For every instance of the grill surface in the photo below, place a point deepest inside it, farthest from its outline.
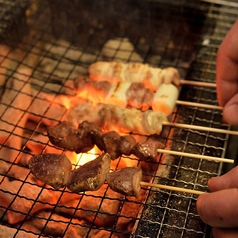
(57, 40)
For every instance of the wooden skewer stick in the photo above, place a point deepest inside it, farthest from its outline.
(199, 128)
(197, 83)
(172, 188)
(200, 105)
(196, 156)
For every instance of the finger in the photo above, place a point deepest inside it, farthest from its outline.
(230, 111)
(225, 232)
(219, 209)
(228, 180)
(227, 66)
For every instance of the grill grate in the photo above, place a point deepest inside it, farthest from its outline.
(52, 41)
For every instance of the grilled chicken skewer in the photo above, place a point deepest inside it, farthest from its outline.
(110, 142)
(132, 94)
(114, 144)
(123, 94)
(125, 120)
(91, 176)
(122, 120)
(137, 72)
(133, 72)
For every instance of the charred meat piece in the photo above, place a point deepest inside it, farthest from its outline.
(88, 134)
(148, 149)
(66, 136)
(125, 181)
(93, 131)
(110, 144)
(90, 176)
(127, 143)
(52, 169)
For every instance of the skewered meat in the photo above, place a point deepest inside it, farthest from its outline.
(119, 94)
(90, 176)
(52, 169)
(148, 149)
(133, 94)
(127, 144)
(139, 96)
(67, 136)
(110, 142)
(95, 91)
(133, 72)
(125, 181)
(93, 131)
(122, 120)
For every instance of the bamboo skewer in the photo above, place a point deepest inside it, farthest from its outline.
(200, 105)
(172, 188)
(197, 156)
(199, 128)
(197, 83)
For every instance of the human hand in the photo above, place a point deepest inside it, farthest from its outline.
(227, 76)
(219, 208)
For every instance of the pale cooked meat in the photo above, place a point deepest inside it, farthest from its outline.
(122, 120)
(90, 176)
(148, 149)
(119, 96)
(152, 122)
(127, 144)
(133, 72)
(131, 94)
(125, 181)
(66, 136)
(52, 169)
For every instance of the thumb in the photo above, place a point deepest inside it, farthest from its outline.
(226, 181)
(230, 111)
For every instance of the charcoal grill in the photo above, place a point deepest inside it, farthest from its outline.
(52, 41)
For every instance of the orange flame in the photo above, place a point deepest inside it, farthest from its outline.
(83, 158)
(66, 102)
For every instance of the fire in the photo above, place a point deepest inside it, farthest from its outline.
(83, 158)
(66, 102)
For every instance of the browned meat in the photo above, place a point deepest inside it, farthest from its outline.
(86, 83)
(125, 181)
(90, 176)
(139, 96)
(52, 169)
(66, 136)
(89, 134)
(127, 144)
(148, 149)
(93, 131)
(111, 143)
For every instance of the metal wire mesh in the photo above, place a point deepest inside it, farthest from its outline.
(52, 41)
